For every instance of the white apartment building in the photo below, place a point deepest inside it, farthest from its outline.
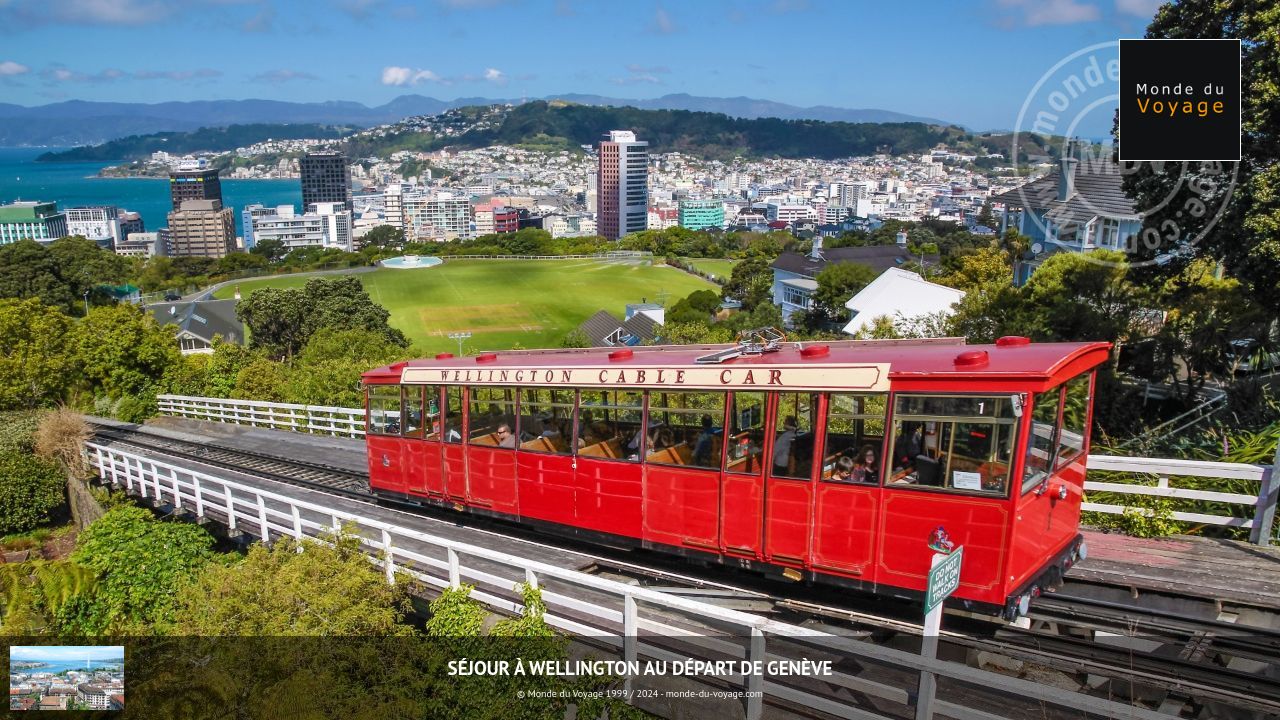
(789, 212)
(99, 223)
(436, 217)
(483, 220)
(325, 226)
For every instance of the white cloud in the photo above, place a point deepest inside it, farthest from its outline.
(1051, 12)
(1140, 8)
(394, 75)
(662, 22)
(495, 75)
(9, 68)
(88, 12)
(648, 70)
(642, 78)
(276, 77)
(54, 653)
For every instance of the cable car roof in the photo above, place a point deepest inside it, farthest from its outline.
(825, 365)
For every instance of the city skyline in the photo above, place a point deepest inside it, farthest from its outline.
(902, 58)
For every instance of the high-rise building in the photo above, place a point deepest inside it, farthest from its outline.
(325, 179)
(26, 220)
(202, 228)
(99, 223)
(249, 215)
(623, 186)
(699, 214)
(194, 184)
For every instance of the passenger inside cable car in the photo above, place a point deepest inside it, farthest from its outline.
(954, 442)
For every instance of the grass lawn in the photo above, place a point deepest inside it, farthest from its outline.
(713, 266)
(504, 302)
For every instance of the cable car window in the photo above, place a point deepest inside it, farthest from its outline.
(412, 411)
(431, 409)
(1075, 413)
(855, 434)
(958, 443)
(492, 417)
(746, 433)
(609, 424)
(453, 414)
(546, 421)
(686, 428)
(1043, 440)
(384, 409)
(793, 435)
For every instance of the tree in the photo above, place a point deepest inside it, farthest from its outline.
(327, 589)
(29, 270)
(37, 357)
(274, 250)
(837, 283)
(239, 262)
(30, 489)
(985, 267)
(85, 265)
(222, 370)
(750, 283)
(575, 338)
(1246, 235)
(1082, 296)
(124, 351)
(141, 564)
(987, 217)
(282, 321)
(383, 236)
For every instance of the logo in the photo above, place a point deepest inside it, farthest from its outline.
(939, 541)
(1074, 200)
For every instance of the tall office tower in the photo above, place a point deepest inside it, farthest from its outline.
(202, 228)
(325, 179)
(623, 185)
(193, 184)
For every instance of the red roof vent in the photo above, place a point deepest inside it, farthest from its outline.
(815, 351)
(486, 357)
(972, 359)
(623, 354)
(1013, 341)
(443, 356)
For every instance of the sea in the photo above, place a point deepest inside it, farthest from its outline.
(57, 666)
(72, 184)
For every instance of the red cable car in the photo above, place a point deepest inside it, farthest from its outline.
(848, 463)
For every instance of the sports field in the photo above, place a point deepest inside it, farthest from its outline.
(504, 302)
(713, 266)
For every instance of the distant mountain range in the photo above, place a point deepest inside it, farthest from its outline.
(81, 122)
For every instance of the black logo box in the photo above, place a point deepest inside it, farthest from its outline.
(1186, 69)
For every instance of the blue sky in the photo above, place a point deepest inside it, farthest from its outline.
(971, 61)
(69, 653)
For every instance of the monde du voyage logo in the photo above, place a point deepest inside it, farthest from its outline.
(1180, 100)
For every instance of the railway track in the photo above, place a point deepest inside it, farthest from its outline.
(1190, 659)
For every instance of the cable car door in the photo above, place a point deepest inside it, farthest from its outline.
(789, 476)
(454, 453)
(847, 494)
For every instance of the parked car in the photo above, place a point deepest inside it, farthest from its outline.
(1251, 356)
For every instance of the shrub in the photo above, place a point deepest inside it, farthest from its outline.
(17, 430)
(135, 409)
(30, 489)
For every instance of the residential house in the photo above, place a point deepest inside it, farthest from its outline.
(1079, 207)
(605, 330)
(901, 295)
(795, 275)
(199, 322)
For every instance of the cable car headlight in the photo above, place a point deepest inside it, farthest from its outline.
(1024, 604)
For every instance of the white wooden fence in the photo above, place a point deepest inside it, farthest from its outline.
(1161, 470)
(635, 621)
(350, 422)
(315, 419)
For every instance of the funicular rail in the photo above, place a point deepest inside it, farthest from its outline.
(636, 621)
(1065, 654)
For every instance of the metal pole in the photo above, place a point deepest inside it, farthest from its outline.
(1265, 515)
